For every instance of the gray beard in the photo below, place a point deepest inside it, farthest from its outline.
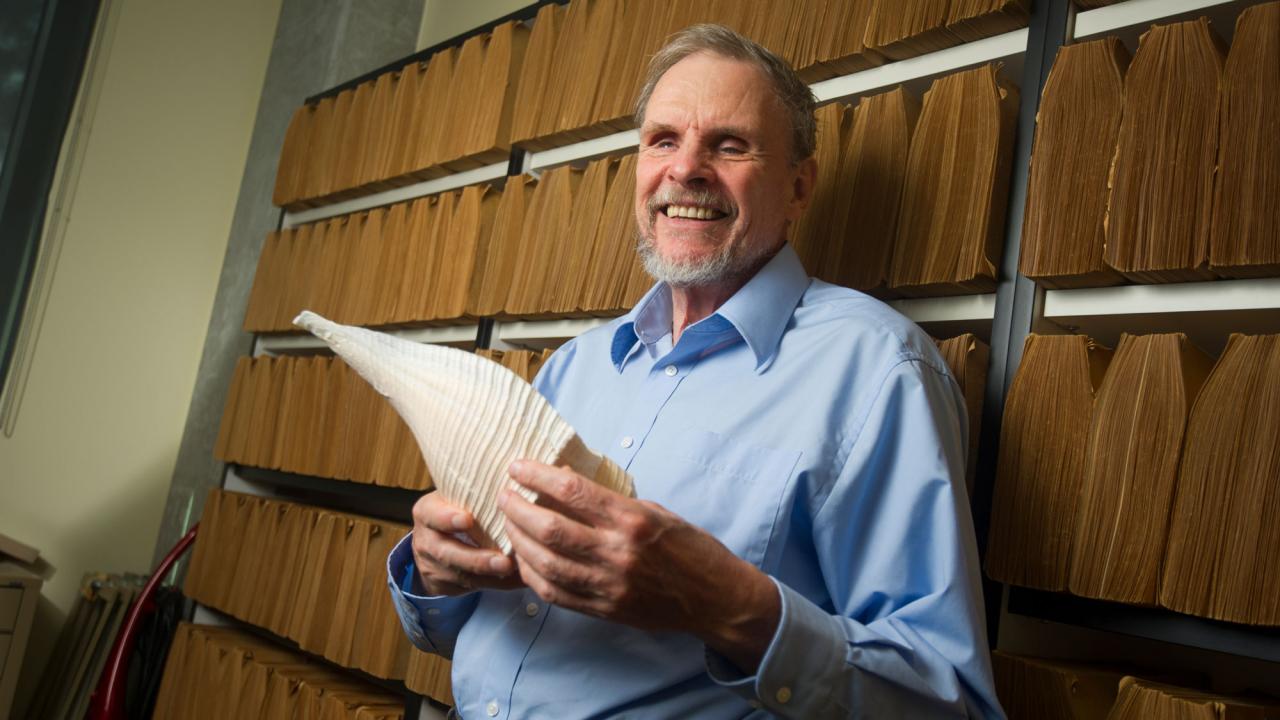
(729, 263)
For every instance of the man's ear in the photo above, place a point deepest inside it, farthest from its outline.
(802, 187)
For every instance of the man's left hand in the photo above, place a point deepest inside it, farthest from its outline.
(589, 549)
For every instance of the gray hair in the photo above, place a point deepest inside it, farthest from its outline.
(796, 97)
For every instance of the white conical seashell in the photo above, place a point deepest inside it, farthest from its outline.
(471, 418)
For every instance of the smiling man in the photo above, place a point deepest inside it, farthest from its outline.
(802, 545)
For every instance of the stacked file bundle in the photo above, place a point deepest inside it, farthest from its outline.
(849, 228)
(967, 357)
(564, 245)
(1162, 188)
(219, 672)
(951, 217)
(1140, 699)
(1173, 496)
(315, 416)
(557, 103)
(1246, 216)
(413, 262)
(314, 576)
(1032, 688)
(1040, 470)
(1063, 228)
(899, 30)
(1131, 466)
(1225, 525)
(450, 113)
(1179, 149)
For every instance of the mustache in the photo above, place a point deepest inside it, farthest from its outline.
(683, 196)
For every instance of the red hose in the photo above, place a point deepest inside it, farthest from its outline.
(107, 701)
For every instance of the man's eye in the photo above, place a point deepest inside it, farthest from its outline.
(731, 150)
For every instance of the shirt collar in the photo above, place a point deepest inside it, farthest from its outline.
(759, 311)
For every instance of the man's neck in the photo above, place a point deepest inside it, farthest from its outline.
(691, 304)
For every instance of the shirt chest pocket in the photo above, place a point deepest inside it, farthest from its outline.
(732, 489)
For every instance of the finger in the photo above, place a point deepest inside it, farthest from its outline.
(564, 572)
(556, 595)
(551, 529)
(445, 552)
(565, 491)
(434, 512)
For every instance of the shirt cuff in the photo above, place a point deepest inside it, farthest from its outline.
(793, 677)
(432, 622)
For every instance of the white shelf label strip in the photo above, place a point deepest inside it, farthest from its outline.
(1259, 294)
(986, 50)
(525, 330)
(276, 344)
(582, 150)
(1135, 12)
(947, 309)
(400, 194)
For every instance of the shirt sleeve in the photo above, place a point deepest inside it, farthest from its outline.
(432, 622)
(902, 633)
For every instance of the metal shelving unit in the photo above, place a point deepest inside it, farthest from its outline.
(1207, 311)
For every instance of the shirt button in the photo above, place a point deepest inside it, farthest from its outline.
(492, 708)
(784, 694)
(671, 371)
(531, 609)
(628, 441)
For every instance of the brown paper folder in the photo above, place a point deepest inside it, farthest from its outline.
(1041, 463)
(812, 235)
(967, 357)
(1042, 689)
(952, 213)
(873, 168)
(1221, 561)
(1142, 699)
(1131, 465)
(900, 29)
(1246, 214)
(1158, 216)
(1076, 129)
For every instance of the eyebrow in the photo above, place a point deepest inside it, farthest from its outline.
(719, 131)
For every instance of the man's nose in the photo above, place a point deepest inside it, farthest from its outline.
(689, 165)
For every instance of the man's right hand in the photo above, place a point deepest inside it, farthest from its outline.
(446, 564)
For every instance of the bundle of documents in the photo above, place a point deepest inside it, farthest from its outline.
(967, 357)
(1131, 466)
(859, 224)
(471, 417)
(450, 114)
(1032, 688)
(1076, 129)
(1158, 218)
(221, 672)
(314, 576)
(558, 103)
(1221, 560)
(420, 261)
(1042, 459)
(951, 219)
(315, 416)
(1160, 491)
(1246, 215)
(1140, 699)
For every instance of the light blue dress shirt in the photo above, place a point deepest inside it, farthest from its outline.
(816, 433)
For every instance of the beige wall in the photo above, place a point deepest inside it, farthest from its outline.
(86, 472)
(443, 19)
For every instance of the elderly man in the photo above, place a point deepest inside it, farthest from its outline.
(802, 544)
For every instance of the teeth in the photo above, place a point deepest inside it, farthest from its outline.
(695, 213)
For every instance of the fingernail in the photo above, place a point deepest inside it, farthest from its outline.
(502, 498)
(500, 563)
(460, 521)
(515, 467)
